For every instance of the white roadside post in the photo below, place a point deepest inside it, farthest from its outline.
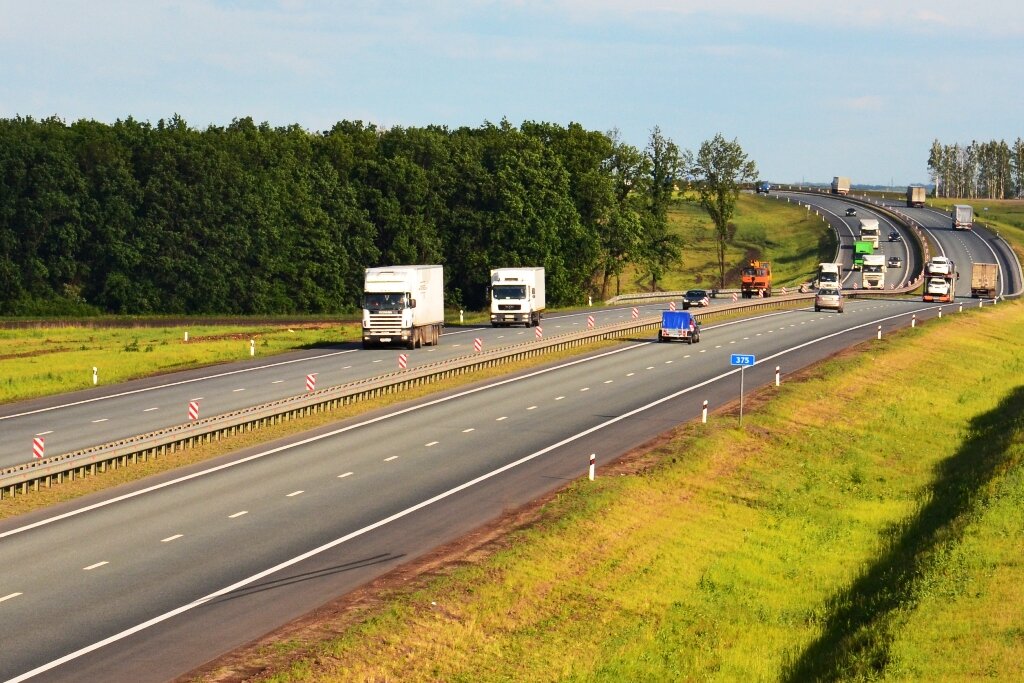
(961, 307)
(879, 331)
(95, 376)
(913, 320)
(186, 336)
(592, 465)
(252, 347)
(460, 316)
(704, 413)
(777, 375)
(940, 311)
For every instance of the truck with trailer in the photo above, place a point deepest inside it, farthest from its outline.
(963, 216)
(756, 279)
(860, 250)
(983, 280)
(517, 296)
(870, 232)
(940, 278)
(679, 325)
(915, 196)
(829, 276)
(840, 185)
(403, 306)
(873, 275)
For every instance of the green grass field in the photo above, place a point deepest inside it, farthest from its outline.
(44, 361)
(788, 236)
(820, 541)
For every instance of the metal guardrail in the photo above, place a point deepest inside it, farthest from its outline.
(31, 476)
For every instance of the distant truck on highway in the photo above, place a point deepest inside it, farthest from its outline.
(840, 185)
(403, 305)
(983, 280)
(873, 276)
(756, 279)
(763, 187)
(963, 216)
(829, 276)
(517, 296)
(870, 232)
(860, 250)
(915, 196)
(679, 325)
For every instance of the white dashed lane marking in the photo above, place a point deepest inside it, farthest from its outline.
(294, 493)
(428, 445)
(171, 538)
(503, 417)
(149, 410)
(532, 408)
(8, 597)
(630, 374)
(235, 391)
(342, 476)
(585, 389)
(49, 431)
(608, 381)
(559, 398)
(393, 457)
(102, 419)
(277, 381)
(94, 566)
(467, 431)
(238, 514)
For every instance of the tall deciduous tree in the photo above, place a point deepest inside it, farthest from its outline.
(720, 168)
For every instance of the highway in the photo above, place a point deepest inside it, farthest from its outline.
(96, 416)
(155, 578)
(833, 208)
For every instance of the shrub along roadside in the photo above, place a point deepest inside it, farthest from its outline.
(851, 530)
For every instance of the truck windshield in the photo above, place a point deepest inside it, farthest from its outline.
(754, 271)
(508, 292)
(383, 301)
(828, 277)
(872, 269)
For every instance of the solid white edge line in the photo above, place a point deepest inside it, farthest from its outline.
(175, 384)
(408, 511)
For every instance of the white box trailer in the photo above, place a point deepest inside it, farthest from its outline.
(963, 216)
(517, 296)
(403, 305)
(840, 185)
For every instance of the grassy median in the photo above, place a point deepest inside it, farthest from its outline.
(865, 523)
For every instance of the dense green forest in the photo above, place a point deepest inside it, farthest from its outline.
(252, 219)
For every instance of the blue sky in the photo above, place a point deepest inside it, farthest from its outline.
(810, 89)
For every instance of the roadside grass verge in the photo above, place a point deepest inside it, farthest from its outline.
(43, 361)
(785, 234)
(865, 523)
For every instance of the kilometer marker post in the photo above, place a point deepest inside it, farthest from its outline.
(743, 361)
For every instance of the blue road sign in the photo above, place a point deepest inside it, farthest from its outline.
(741, 359)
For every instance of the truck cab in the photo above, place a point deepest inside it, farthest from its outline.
(829, 275)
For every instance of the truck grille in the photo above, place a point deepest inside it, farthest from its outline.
(385, 321)
(509, 307)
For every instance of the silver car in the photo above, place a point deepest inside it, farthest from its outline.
(828, 298)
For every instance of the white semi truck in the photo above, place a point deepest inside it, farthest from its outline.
(869, 231)
(873, 275)
(829, 276)
(403, 305)
(963, 216)
(840, 185)
(517, 296)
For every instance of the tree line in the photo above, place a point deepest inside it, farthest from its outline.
(980, 170)
(247, 218)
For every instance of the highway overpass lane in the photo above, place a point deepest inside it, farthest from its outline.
(68, 424)
(70, 583)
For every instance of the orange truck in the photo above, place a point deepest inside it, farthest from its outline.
(756, 279)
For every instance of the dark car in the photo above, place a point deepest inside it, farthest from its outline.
(851, 211)
(895, 236)
(895, 262)
(696, 297)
